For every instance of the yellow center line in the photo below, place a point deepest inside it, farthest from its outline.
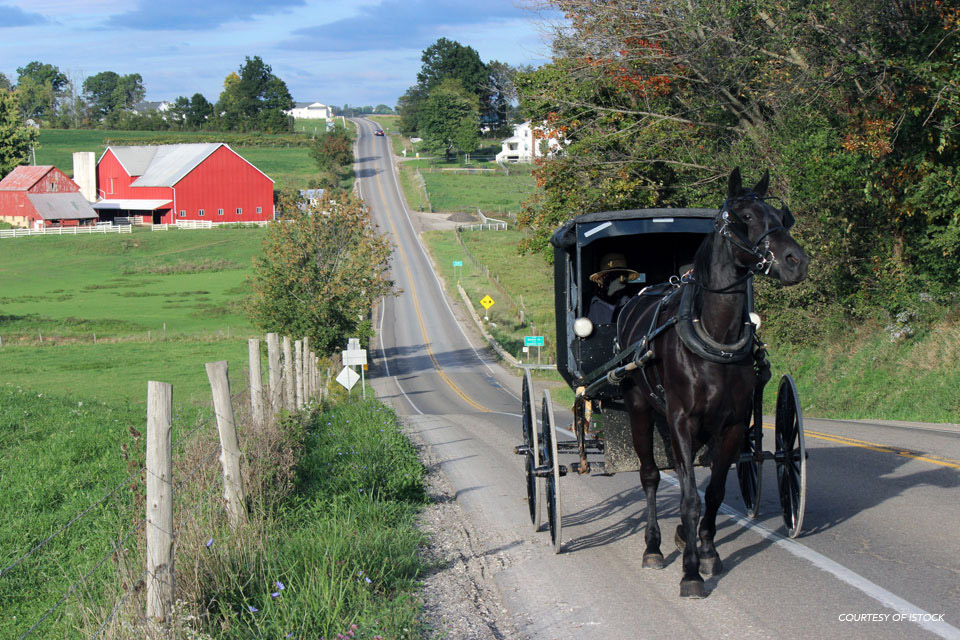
(416, 308)
(879, 448)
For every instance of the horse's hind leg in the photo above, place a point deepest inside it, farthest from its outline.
(641, 424)
(724, 451)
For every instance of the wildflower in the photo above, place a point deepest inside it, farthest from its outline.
(252, 608)
(368, 580)
(209, 543)
(280, 586)
(275, 594)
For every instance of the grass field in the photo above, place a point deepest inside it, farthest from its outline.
(60, 291)
(290, 167)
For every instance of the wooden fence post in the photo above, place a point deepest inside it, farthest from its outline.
(159, 501)
(218, 375)
(307, 386)
(256, 383)
(298, 371)
(273, 372)
(290, 399)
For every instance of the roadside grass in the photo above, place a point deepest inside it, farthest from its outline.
(289, 166)
(331, 545)
(524, 277)
(344, 545)
(59, 456)
(60, 291)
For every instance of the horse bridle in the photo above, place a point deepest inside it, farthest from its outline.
(765, 257)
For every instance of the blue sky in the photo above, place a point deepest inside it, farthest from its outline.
(335, 51)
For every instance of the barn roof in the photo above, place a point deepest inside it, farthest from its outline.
(24, 177)
(61, 206)
(162, 165)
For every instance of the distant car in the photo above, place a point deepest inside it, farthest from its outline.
(378, 132)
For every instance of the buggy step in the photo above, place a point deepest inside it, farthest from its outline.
(570, 446)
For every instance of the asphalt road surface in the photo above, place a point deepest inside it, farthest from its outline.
(879, 556)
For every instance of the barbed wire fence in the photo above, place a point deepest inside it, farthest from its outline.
(141, 599)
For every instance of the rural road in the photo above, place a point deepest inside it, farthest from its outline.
(879, 556)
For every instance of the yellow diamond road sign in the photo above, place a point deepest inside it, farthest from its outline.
(487, 302)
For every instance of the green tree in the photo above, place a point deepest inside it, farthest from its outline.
(449, 119)
(255, 99)
(446, 59)
(409, 105)
(199, 112)
(321, 272)
(333, 153)
(177, 113)
(108, 92)
(382, 109)
(16, 138)
(4, 83)
(39, 85)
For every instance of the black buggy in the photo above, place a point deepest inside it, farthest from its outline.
(658, 246)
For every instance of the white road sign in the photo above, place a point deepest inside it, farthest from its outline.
(348, 377)
(352, 357)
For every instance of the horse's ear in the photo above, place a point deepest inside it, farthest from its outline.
(788, 219)
(763, 185)
(734, 185)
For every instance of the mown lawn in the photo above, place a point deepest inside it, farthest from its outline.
(101, 315)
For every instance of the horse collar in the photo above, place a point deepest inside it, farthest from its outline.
(696, 339)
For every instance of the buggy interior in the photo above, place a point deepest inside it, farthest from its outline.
(655, 256)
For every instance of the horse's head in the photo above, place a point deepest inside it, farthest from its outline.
(759, 233)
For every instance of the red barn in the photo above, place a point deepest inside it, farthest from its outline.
(43, 196)
(206, 181)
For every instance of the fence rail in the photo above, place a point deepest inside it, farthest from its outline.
(205, 224)
(64, 231)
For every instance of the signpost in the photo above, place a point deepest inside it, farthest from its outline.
(354, 356)
(533, 341)
(458, 264)
(487, 302)
(348, 377)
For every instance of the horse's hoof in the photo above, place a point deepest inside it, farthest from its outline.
(711, 565)
(653, 561)
(678, 539)
(692, 589)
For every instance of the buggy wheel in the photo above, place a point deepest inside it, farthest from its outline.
(548, 457)
(531, 442)
(791, 456)
(750, 469)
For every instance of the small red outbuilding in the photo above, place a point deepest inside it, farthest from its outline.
(42, 196)
(176, 182)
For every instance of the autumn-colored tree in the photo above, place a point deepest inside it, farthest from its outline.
(321, 271)
(854, 106)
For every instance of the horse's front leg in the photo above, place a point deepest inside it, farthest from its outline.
(641, 425)
(726, 447)
(691, 585)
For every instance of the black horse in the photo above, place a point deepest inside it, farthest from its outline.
(699, 374)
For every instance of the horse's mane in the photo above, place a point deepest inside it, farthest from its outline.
(701, 260)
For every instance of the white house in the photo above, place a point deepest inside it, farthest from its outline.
(310, 111)
(520, 147)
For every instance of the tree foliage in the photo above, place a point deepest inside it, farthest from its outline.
(449, 119)
(333, 153)
(254, 99)
(108, 93)
(853, 106)
(321, 272)
(16, 139)
(39, 85)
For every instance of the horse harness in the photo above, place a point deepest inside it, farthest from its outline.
(690, 329)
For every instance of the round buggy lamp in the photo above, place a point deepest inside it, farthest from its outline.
(583, 327)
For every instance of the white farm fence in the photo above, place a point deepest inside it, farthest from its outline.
(64, 231)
